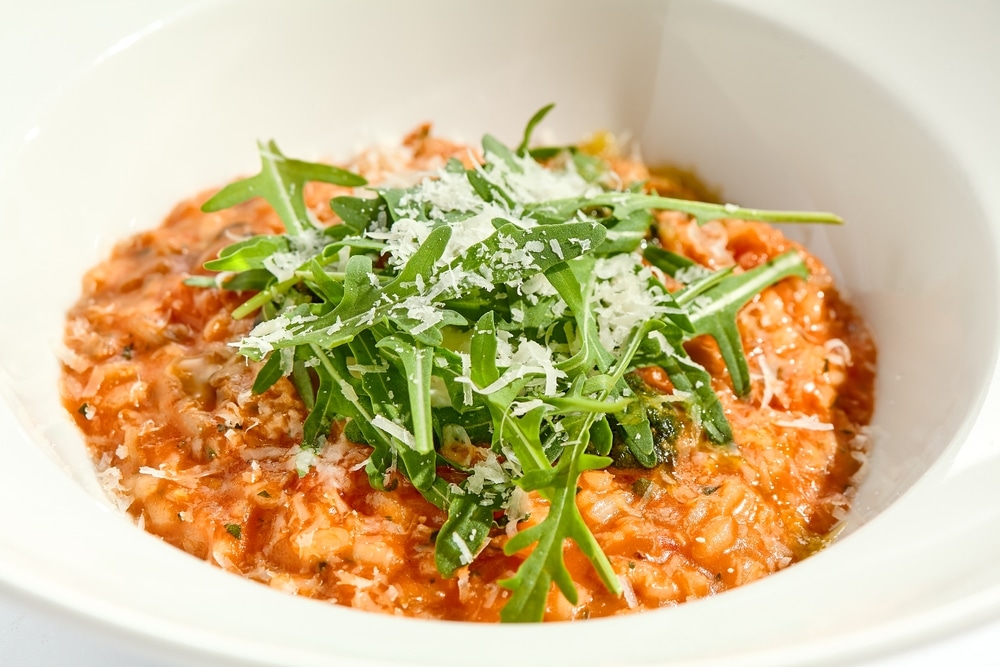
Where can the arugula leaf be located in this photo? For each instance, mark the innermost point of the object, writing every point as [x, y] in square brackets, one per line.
[389, 394]
[574, 283]
[248, 254]
[636, 430]
[713, 312]
[694, 380]
[533, 122]
[357, 213]
[464, 534]
[627, 203]
[513, 253]
[281, 182]
[269, 373]
[545, 564]
[414, 360]
[363, 304]
[496, 336]
[495, 148]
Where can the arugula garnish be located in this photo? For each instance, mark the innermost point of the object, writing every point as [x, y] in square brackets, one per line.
[281, 182]
[492, 306]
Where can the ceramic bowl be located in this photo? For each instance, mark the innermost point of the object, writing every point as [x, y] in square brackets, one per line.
[150, 104]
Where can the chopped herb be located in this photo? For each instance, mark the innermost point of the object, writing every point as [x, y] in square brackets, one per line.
[84, 409]
[127, 351]
[709, 490]
[503, 283]
[234, 530]
[264, 494]
[641, 486]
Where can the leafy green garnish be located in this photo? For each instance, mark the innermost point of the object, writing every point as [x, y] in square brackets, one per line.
[281, 182]
[505, 306]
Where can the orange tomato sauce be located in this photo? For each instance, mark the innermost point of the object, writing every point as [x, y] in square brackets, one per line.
[182, 443]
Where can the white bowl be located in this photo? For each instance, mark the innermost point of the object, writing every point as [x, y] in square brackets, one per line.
[124, 110]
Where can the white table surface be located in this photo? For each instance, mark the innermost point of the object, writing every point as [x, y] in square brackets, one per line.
[966, 77]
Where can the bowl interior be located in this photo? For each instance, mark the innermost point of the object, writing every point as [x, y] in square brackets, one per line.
[773, 118]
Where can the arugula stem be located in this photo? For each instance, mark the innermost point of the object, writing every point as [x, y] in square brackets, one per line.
[511, 316]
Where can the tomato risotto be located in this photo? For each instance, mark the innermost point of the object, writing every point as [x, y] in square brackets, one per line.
[497, 384]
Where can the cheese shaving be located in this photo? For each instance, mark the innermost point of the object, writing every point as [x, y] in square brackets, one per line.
[808, 422]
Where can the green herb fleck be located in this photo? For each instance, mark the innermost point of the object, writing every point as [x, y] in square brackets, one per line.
[641, 486]
[234, 530]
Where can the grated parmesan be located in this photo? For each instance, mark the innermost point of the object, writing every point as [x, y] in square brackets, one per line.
[808, 422]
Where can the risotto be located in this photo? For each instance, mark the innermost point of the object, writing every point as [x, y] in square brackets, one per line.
[202, 425]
